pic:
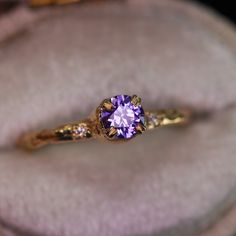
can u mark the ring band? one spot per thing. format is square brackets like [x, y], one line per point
[119, 118]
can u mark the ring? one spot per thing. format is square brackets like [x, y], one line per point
[119, 118]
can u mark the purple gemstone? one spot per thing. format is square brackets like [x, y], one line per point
[124, 116]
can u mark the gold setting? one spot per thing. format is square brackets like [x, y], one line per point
[112, 132]
[140, 128]
[102, 131]
[136, 100]
[107, 104]
[92, 128]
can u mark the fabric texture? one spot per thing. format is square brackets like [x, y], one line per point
[174, 181]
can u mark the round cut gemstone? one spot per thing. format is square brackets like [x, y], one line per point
[123, 115]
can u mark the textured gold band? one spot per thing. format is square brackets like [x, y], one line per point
[88, 128]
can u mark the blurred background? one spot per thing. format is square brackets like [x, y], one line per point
[225, 8]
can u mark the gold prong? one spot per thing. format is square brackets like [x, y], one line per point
[112, 132]
[107, 104]
[140, 128]
[136, 100]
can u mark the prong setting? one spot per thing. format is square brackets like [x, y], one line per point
[112, 132]
[136, 100]
[121, 117]
[140, 128]
[107, 104]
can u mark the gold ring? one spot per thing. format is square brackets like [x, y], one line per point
[119, 118]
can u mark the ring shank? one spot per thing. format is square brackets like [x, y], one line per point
[167, 117]
[86, 129]
[66, 133]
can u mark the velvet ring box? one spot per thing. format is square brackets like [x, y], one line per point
[57, 64]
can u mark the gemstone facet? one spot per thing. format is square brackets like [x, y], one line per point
[122, 117]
